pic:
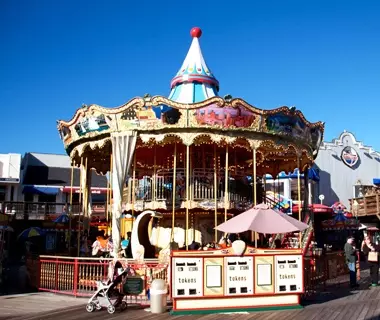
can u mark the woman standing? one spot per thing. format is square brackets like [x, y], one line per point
[371, 251]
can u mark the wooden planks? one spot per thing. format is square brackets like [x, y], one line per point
[340, 303]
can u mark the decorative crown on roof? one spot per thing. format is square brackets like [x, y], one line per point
[194, 68]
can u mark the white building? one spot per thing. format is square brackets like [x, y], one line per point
[343, 169]
[9, 176]
[345, 166]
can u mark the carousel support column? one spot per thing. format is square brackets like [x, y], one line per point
[226, 183]
[265, 188]
[84, 189]
[174, 190]
[70, 209]
[133, 191]
[107, 197]
[299, 196]
[191, 190]
[187, 195]
[254, 181]
[87, 196]
[215, 194]
[123, 149]
[154, 174]
[80, 203]
[109, 213]
[108, 190]
[310, 187]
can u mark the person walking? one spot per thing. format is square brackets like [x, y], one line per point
[350, 254]
[371, 252]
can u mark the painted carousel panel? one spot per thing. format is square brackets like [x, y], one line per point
[96, 122]
[293, 125]
[148, 117]
[225, 117]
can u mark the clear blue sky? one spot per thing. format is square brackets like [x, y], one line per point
[322, 56]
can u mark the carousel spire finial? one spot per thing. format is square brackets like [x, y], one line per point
[194, 82]
[196, 32]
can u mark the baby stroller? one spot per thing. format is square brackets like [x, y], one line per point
[107, 295]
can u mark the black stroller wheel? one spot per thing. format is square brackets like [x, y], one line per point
[123, 305]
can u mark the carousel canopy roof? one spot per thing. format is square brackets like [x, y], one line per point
[194, 82]
[194, 115]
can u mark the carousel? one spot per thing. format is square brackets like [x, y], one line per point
[181, 165]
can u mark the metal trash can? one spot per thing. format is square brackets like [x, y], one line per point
[158, 296]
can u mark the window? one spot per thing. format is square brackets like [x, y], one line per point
[3, 192]
[46, 198]
[99, 198]
[276, 186]
[28, 197]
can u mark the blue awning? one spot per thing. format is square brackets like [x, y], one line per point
[41, 190]
[376, 181]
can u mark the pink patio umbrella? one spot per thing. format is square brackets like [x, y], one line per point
[262, 219]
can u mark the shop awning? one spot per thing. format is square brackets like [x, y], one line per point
[41, 190]
[376, 181]
[316, 207]
[94, 190]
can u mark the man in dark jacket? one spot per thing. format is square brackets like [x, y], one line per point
[350, 253]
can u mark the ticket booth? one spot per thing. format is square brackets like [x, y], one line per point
[222, 281]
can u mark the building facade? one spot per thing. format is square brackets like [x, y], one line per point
[9, 176]
[345, 167]
[47, 178]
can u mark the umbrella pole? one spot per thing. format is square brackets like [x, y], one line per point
[254, 185]
[187, 195]
[299, 197]
[174, 187]
[215, 194]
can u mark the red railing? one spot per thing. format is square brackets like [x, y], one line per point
[78, 276]
[325, 270]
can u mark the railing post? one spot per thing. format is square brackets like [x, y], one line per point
[56, 275]
[39, 273]
[46, 211]
[365, 206]
[75, 275]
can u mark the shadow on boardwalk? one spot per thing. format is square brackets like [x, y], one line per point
[338, 289]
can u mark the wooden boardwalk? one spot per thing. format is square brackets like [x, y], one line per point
[338, 302]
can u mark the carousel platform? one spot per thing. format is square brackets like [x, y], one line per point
[336, 302]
